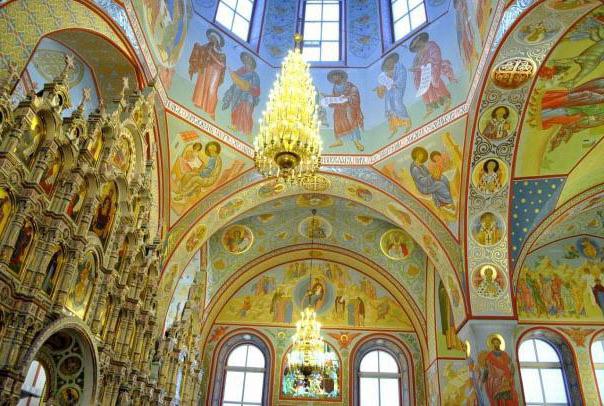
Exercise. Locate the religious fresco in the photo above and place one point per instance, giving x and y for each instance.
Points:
(180, 294)
(341, 341)
(457, 387)
(329, 387)
(47, 63)
(198, 165)
(5, 209)
(447, 342)
(105, 212)
(52, 271)
(167, 22)
(341, 296)
(47, 182)
(491, 375)
(563, 281)
(564, 115)
(78, 297)
(362, 108)
(21, 246)
(341, 222)
(431, 171)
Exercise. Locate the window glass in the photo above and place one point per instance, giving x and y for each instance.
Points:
(236, 16)
(379, 380)
(387, 362)
(322, 25)
(541, 373)
(407, 16)
(597, 357)
(244, 380)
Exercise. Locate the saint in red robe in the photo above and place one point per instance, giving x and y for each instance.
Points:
(499, 380)
(209, 62)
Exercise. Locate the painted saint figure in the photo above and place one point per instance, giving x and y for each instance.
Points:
(103, 219)
(598, 291)
(197, 168)
(465, 34)
(392, 84)
(427, 183)
(489, 180)
(428, 69)
(314, 296)
(24, 240)
(51, 271)
(209, 63)
(499, 126)
(574, 110)
(488, 231)
(498, 376)
(345, 101)
(243, 95)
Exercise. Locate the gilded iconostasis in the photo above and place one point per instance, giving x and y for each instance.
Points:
(459, 208)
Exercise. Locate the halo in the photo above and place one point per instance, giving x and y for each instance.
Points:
(490, 339)
(468, 348)
(488, 266)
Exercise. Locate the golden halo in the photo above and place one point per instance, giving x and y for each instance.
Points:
(488, 266)
(490, 339)
(468, 348)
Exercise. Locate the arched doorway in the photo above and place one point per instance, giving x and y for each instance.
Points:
(63, 369)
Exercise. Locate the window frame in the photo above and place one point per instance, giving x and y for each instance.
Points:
(251, 21)
(341, 32)
(412, 31)
(403, 362)
(541, 365)
(220, 366)
(597, 366)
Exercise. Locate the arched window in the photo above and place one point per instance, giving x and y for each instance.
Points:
(542, 373)
(407, 16)
(322, 25)
(379, 379)
(236, 16)
(382, 377)
(597, 357)
(242, 373)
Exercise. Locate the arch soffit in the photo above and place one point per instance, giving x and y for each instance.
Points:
(539, 237)
(519, 96)
(441, 248)
(73, 325)
(289, 254)
(82, 14)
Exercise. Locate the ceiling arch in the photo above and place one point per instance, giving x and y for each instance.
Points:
(331, 254)
(427, 232)
(508, 126)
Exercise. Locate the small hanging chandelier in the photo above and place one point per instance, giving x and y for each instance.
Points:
(288, 145)
(307, 355)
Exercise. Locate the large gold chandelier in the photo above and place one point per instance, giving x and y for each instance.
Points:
(288, 145)
(308, 349)
(307, 355)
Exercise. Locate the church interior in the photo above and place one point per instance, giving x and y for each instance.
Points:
(301, 202)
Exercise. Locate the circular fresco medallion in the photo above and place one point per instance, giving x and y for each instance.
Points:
(490, 175)
(70, 365)
(68, 396)
(488, 281)
(513, 73)
(499, 122)
(315, 227)
(315, 183)
(396, 244)
(487, 229)
(237, 239)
